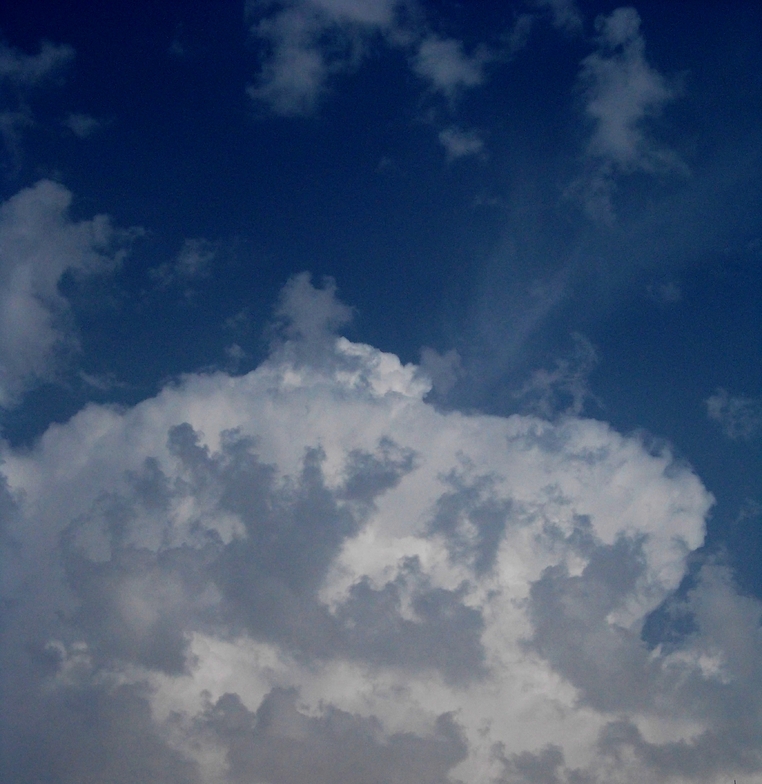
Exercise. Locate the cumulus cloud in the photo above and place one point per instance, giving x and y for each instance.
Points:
(38, 244)
(622, 91)
(310, 574)
(739, 417)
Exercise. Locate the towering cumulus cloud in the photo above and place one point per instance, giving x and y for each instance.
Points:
(310, 574)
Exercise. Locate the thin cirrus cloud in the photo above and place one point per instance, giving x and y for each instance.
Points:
(309, 573)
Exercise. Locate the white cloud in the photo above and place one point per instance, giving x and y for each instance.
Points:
(739, 417)
(445, 65)
(308, 42)
(621, 92)
(38, 244)
(310, 574)
(460, 143)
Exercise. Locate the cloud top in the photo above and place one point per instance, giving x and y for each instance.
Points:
(309, 573)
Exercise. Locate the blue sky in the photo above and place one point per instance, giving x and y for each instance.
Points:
(468, 298)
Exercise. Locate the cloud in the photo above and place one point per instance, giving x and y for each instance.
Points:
(309, 573)
(443, 63)
(460, 144)
(307, 42)
(191, 263)
(564, 14)
(621, 91)
(565, 389)
(82, 125)
(26, 70)
(739, 417)
(38, 244)
(19, 74)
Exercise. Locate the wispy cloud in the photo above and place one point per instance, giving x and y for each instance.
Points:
(460, 144)
(444, 64)
(564, 14)
(565, 389)
(38, 243)
(20, 73)
(307, 42)
(622, 91)
(739, 417)
(26, 70)
(82, 125)
(192, 263)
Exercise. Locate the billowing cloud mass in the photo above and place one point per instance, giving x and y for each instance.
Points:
(311, 574)
(39, 243)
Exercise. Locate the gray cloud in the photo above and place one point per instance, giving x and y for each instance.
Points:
(39, 243)
(279, 744)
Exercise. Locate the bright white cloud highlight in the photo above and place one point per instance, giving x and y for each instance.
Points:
(310, 574)
(38, 244)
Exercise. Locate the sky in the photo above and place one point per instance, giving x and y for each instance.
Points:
(380, 392)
